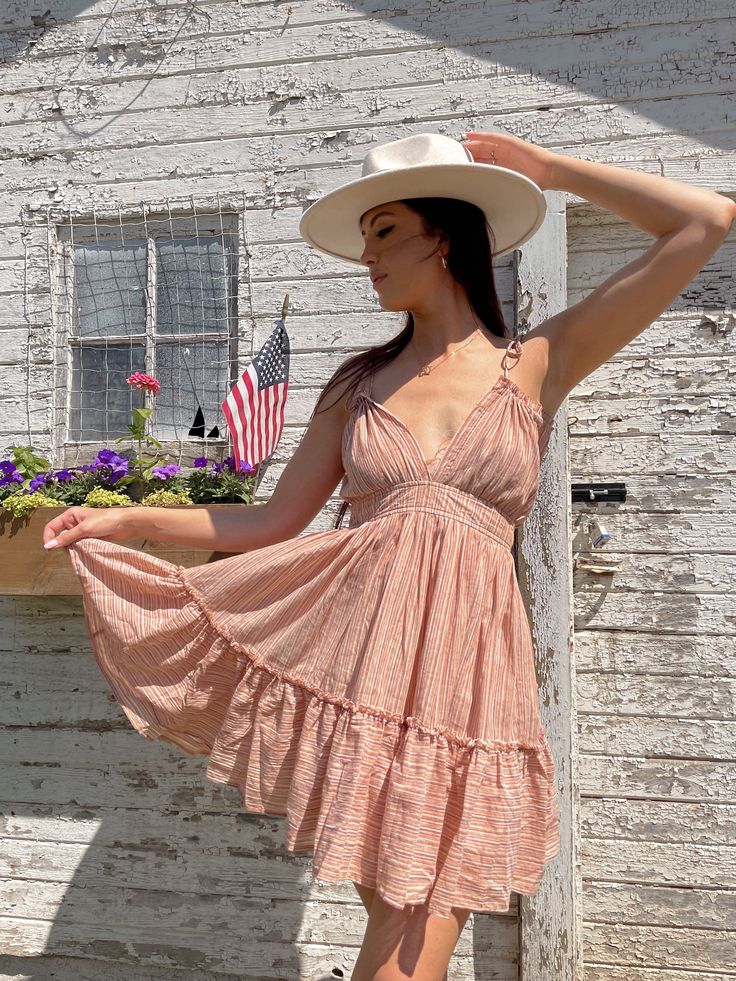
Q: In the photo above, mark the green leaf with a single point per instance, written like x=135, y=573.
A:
x=153, y=461
x=28, y=462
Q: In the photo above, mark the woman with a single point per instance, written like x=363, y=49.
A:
x=376, y=683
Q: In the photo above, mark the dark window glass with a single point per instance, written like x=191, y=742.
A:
x=109, y=290
x=193, y=285
x=101, y=401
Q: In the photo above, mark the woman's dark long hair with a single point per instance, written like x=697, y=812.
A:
x=471, y=245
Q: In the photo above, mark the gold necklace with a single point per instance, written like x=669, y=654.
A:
x=425, y=369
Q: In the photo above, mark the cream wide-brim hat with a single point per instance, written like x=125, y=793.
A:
x=424, y=165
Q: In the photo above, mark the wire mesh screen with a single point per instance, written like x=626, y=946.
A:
x=154, y=292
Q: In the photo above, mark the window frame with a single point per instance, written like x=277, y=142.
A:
x=136, y=227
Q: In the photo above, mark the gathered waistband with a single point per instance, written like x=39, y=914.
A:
x=436, y=498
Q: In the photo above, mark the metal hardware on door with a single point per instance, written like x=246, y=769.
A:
x=609, y=491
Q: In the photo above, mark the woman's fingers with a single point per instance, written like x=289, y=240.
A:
x=59, y=524
x=110, y=524
x=76, y=523
x=513, y=153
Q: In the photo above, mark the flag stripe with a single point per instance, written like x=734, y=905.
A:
x=255, y=406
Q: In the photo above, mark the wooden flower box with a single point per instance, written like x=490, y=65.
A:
x=27, y=568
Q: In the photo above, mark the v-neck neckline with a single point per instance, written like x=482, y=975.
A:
x=433, y=466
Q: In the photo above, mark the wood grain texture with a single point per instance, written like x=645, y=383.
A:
x=654, y=641
x=550, y=934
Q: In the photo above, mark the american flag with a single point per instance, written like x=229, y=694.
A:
x=254, y=407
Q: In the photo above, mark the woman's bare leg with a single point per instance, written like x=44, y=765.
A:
x=366, y=894
x=408, y=943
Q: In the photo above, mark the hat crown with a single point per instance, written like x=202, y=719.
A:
x=421, y=150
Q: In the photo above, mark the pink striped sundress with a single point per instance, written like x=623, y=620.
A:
x=375, y=683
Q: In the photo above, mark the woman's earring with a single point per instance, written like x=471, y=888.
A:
x=444, y=262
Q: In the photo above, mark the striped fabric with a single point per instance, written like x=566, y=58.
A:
x=373, y=683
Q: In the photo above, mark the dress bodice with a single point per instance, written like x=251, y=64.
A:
x=495, y=456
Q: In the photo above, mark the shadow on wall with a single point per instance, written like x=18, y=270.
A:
x=472, y=63
x=24, y=23
x=120, y=859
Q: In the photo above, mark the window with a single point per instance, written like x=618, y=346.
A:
x=160, y=297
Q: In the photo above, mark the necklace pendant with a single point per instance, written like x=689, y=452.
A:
x=425, y=370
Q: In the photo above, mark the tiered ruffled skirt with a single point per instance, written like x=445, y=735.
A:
x=404, y=747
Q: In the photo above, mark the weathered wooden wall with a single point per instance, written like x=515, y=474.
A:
x=119, y=860
x=654, y=645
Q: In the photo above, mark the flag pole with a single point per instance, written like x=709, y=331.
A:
x=284, y=312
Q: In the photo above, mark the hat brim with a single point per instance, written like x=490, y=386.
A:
x=513, y=204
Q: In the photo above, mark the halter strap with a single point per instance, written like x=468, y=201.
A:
x=363, y=387
x=514, y=349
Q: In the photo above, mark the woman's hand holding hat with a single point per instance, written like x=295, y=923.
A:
x=532, y=161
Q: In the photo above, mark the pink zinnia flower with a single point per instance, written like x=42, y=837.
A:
x=144, y=381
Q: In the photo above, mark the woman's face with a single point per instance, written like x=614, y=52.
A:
x=397, y=247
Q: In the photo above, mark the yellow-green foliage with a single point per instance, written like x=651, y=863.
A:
x=19, y=505
x=98, y=497
x=166, y=498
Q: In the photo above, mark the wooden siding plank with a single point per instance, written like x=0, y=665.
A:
x=133, y=44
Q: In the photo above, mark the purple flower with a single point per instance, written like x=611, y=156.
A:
x=165, y=472
x=108, y=458
x=218, y=467
x=7, y=467
x=229, y=462
x=247, y=467
x=38, y=481
x=114, y=476
x=11, y=478
x=200, y=461
x=64, y=474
